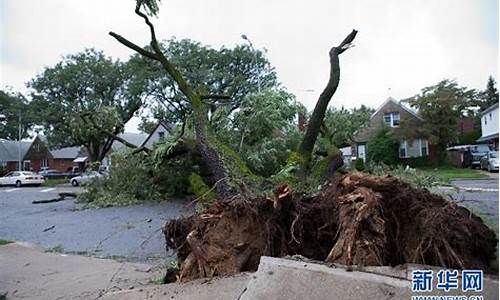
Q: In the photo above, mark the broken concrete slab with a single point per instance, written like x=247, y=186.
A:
x=221, y=288
x=278, y=278
x=30, y=273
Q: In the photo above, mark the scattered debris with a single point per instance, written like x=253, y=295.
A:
x=356, y=219
x=49, y=228
x=62, y=196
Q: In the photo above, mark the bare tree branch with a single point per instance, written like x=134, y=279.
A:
x=133, y=46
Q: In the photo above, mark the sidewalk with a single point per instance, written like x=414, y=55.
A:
x=29, y=273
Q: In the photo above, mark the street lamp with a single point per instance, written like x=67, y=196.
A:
x=243, y=36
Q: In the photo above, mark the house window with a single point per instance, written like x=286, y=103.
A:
x=27, y=165
x=44, y=163
x=392, y=119
x=37, y=147
x=485, y=121
x=424, y=147
x=403, y=149
x=490, y=116
x=387, y=119
x=161, y=134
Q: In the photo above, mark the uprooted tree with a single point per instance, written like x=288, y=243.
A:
x=354, y=219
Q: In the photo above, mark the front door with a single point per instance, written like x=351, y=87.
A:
x=362, y=152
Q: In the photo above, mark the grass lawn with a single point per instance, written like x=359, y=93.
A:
x=5, y=242
x=448, y=173
x=54, y=182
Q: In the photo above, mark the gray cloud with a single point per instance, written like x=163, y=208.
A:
x=402, y=45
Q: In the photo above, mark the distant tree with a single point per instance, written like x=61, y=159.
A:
x=489, y=96
x=341, y=124
x=441, y=106
x=13, y=106
x=86, y=99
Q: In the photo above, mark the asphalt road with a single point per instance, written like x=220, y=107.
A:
x=132, y=233
x=480, y=195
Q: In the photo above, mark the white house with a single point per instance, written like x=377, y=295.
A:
x=489, y=126
x=161, y=131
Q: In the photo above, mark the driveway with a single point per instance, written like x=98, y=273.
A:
x=480, y=195
x=132, y=233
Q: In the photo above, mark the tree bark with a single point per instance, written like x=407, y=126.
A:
x=314, y=124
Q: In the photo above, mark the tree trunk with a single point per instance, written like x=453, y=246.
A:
x=314, y=124
x=229, y=171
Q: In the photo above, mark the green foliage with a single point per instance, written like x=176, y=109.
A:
x=412, y=176
x=59, y=248
x=489, y=96
x=383, y=148
x=263, y=130
x=11, y=107
x=441, y=106
x=86, y=83
x=5, y=242
x=135, y=178
x=204, y=194
x=151, y=6
x=447, y=173
x=289, y=174
x=359, y=164
x=321, y=164
x=469, y=137
x=232, y=72
x=341, y=124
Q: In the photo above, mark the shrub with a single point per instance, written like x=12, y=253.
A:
x=135, y=178
x=412, y=176
x=204, y=194
x=383, y=148
x=359, y=164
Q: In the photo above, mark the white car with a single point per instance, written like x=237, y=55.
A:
x=85, y=178
x=20, y=178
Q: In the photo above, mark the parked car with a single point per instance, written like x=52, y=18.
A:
x=20, y=178
x=477, y=153
x=85, y=178
x=490, y=161
x=52, y=174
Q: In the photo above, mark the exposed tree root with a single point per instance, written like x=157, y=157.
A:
x=355, y=220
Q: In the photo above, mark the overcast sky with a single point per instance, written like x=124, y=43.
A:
x=401, y=46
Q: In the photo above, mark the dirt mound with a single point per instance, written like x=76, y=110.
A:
x=356, y=219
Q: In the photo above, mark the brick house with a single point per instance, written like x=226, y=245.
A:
x=392, y=114
x=64, y=159
x=33, y=155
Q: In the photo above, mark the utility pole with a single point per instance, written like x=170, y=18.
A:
x=19, y=143
x=243, y=36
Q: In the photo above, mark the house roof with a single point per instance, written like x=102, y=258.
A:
x=364, y=133
x=9, y=150
x=390, y=99
x=493, y=107
x=167, y=127
x=66, y=153
x=488, y=137
x=131, y=137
